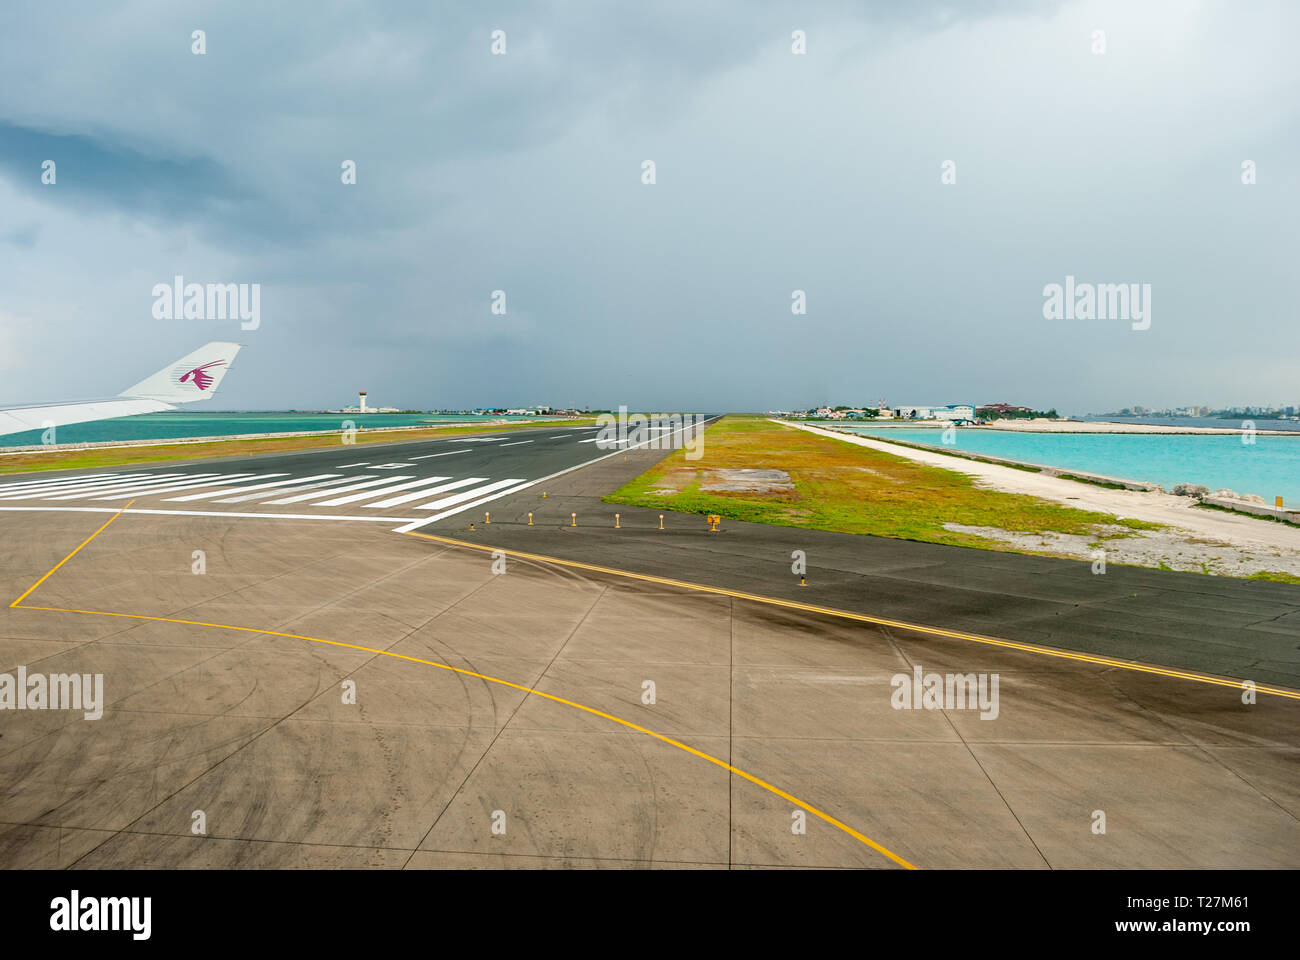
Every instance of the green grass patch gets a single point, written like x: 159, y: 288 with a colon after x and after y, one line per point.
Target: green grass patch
x: 847, y: 488
x: 1274, y: 576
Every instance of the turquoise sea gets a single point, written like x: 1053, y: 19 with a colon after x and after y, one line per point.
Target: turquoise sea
x: 172, y: 426
x: 1269, y: 467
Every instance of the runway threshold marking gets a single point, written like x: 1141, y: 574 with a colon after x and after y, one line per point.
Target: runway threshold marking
x: 788, y: 797
x: 867, y: 618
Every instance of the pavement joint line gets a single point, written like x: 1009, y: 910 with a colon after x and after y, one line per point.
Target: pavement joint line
x: 867, y: 618
x: 470, y: 673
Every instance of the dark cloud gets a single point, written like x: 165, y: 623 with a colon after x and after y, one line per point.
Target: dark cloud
x: 775, y: 173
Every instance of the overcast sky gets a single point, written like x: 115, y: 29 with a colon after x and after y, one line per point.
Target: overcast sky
x: 774, y: 172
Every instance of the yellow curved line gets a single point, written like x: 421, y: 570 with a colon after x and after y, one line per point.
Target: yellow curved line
x: 481, y: 676
x: 882, y: 621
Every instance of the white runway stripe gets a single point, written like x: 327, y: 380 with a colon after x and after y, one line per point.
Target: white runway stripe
x: 275, y: 493
x: 279, y: 483
x: 329, y: 493
x: 87, y: 488
x: 516, y: 443
x: 454, y: 509
x: 408, y: 497
x: 144, y: 486
x: 467, y: 495
x: 45, y: 481
x: 69, y: 483
x: 367, y: 494
x: 449, y: 453
x: 219, y: 480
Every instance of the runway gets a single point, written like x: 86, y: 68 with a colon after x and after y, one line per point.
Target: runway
x: 408, y: 483
x: 501, y: 715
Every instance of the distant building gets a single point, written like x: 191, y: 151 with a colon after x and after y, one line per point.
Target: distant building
x: 363, y: 407
x: 906, y: 412
x: 955, y: 411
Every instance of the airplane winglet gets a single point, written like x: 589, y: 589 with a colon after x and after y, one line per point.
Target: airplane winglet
x: 194, y: 376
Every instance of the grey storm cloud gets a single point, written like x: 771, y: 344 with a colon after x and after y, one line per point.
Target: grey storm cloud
x: 775, y: 172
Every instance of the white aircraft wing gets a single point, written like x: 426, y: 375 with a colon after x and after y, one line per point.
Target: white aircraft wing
x: 194, y: 376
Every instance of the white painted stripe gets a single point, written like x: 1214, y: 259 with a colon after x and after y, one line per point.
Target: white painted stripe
x: 211, y: 513
x: 346, y: 465
x: 53, y: 486
x: 468, y: 494
x: 195, y: 484
x: 279, y: 483
x: 88, y: 488
x: 275, y: 493
x: 449, y: 453
x: 408, y: 497
x: 416, y: 524
x: 592, y: 440
x: 19, y: 484
x: 367, y: 494
x: 516, y: 443
x: 143, y: 486
x: 329, y: 493
x: 562, y: 436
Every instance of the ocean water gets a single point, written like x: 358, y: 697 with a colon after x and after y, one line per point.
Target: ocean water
x: 1269, y: 467
x: 174, y: 426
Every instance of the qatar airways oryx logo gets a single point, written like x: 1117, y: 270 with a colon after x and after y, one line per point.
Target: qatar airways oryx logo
x: 199, y: 376
x: 1098, y: 301
x: 179, y: 300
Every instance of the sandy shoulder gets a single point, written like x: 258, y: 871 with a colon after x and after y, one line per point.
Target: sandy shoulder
x: 1196, y: 539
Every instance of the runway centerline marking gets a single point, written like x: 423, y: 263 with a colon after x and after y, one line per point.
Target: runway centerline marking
x: 531, y: 691
x: 867, y: 618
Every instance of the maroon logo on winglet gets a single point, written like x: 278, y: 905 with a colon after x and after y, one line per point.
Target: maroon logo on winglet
x: 202, y: 379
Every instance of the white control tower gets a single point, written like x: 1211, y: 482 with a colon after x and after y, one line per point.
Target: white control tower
x: 361, y: 401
